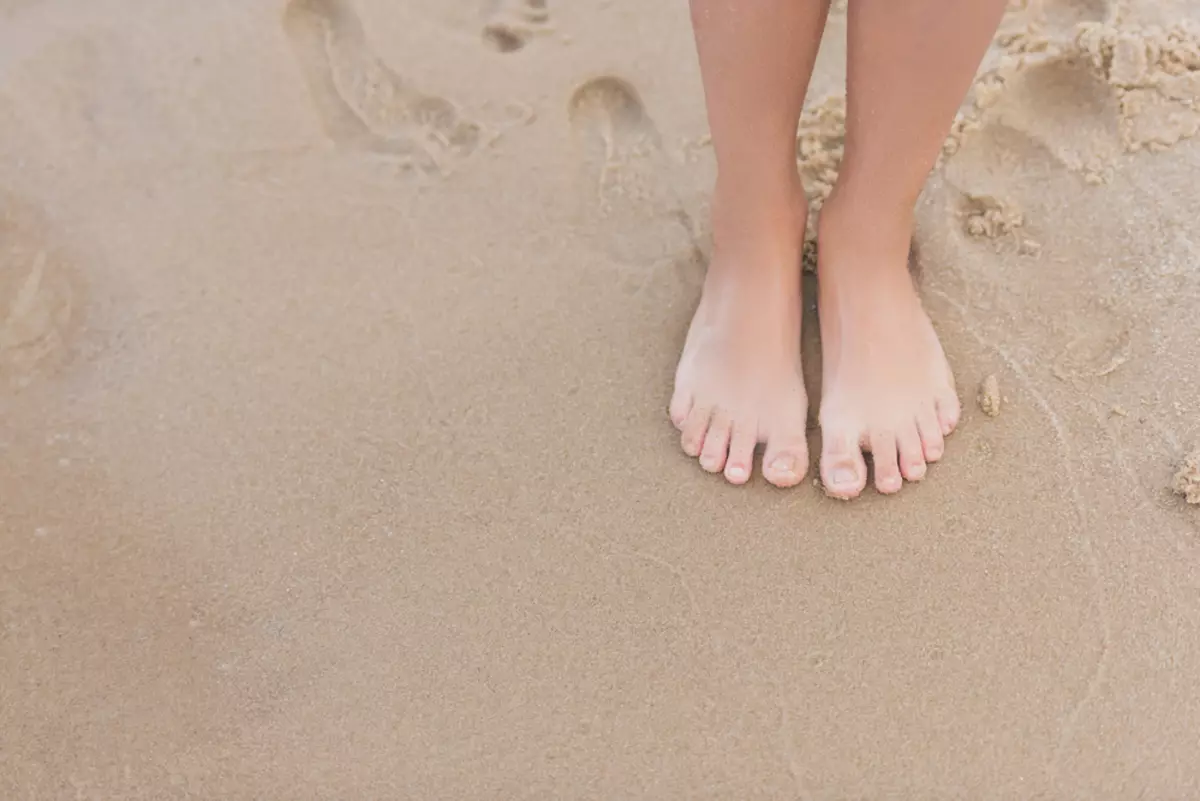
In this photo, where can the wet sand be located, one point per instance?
(335, 341)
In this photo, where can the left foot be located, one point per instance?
(739, 380)
(887, 388)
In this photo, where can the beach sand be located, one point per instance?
(335, 343)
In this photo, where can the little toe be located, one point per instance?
(911, 453)
(843, 471)
(786, 459)
(933, 442)
(741, 452)
(694, 428)
(887, 466)
(716, 442)
(949, 409)
(681, 405)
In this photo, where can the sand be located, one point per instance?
(1187, 480)
(335, 340)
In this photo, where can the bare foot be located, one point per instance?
(739, 380)
(887, 387)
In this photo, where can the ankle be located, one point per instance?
(865, 222)
(771, 213)
(864, 246)
(875, 195)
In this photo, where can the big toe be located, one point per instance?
(949, 409)
(681, 406)
(785, 460)
(694, 428)
(843, 470)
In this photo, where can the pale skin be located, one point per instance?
(887, 387)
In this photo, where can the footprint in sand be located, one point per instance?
(365, 105)
(1106, 344)
(1130, 86)
(37, 297)
(1058, 106)
(509, 25)
(628, 195)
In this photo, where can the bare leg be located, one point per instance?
(887, 386)
(739, 380)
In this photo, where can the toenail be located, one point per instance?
(843, 476)
(783, 465)
(737, 473)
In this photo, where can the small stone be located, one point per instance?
(989, 396)
(1187, 480)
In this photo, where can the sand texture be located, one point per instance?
(335, 342)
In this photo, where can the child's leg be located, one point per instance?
(739, 380)
(887, 386)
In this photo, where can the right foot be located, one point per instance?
(739, 380)
(887, 387)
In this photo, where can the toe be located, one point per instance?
(694, 428)
(716, 443)
(911, 453)
(681, 405)
(741, 452)
(930, 428)
(786, 459)
(948, 411)
(843, 471)
(887, 466)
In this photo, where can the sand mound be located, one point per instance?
(820, 143)
(1155, 74)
